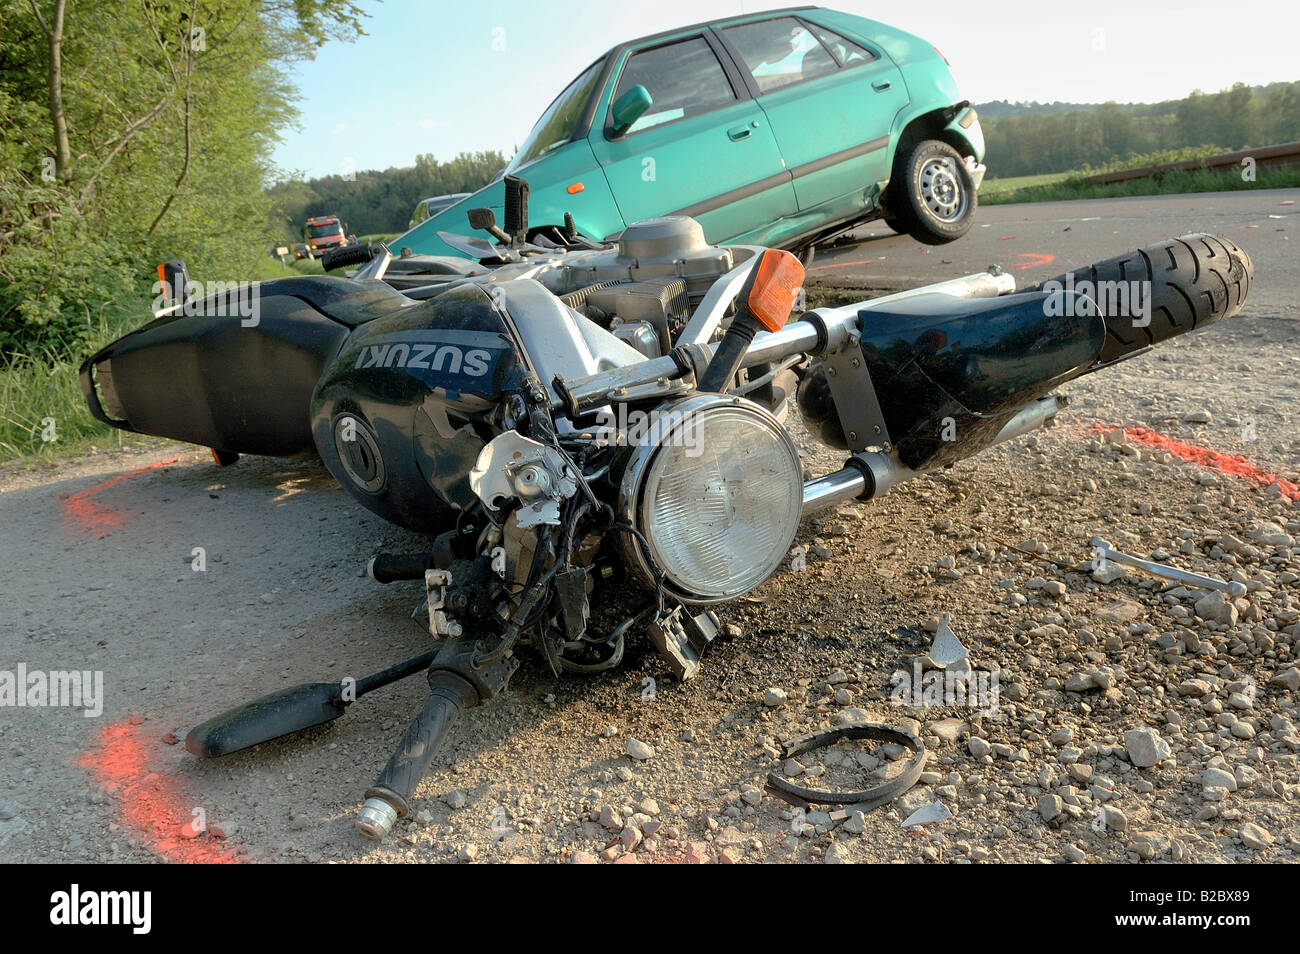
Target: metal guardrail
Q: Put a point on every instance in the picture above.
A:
(1287, 153)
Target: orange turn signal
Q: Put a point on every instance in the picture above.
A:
(776, 287)
(575, 188)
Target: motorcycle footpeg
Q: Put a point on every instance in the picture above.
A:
(682, 638)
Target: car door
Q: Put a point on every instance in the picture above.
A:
(830, 101)
(704, 148)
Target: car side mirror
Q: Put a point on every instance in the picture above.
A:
(630, 107)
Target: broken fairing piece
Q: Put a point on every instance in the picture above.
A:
(516, 467)
(935, 811)
(681, 638)
(1103, 553)
(947, 651)
(800, 797)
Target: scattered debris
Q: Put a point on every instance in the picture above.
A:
(947, 651)
(800, 797)
(934, 812)
(1105, 554)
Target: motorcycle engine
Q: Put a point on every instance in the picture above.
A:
(644, 290)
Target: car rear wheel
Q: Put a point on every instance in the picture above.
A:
(932, 196)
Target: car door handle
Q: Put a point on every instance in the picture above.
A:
(737, 133)
(881, 85)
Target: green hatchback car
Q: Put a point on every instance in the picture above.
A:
(782, 129)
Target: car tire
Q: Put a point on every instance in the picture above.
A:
(937, 200)
(806, 255)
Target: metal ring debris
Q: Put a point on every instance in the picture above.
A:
(801, 797)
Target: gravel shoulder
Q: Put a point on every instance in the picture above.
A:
(1136, 721)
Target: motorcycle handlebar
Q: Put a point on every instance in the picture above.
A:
(387, 800)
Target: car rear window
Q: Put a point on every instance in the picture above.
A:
(780, 52)
(684, 79)
(845, 51)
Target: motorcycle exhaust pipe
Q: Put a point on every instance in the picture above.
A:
(872, 474)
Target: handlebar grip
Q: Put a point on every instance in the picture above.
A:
(449, 695)
(347, 255)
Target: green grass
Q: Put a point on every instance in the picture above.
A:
(40, 394)
(268, 269)
(992, 189)
(39, 388)
(1071, 185)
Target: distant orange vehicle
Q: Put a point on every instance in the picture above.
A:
(323, 233)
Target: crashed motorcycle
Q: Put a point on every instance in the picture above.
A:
(569, 421)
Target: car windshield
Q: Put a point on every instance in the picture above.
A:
(324, 228)
(560, 121)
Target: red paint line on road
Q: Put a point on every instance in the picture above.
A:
(1234, 465)
(82, 513)
(1037, 259)
(153, 805)
(818, 268)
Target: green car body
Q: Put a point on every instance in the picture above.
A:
(762, 160)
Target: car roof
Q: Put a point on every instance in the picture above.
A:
(721, 21)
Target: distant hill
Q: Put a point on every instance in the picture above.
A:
(1036, 138)
(1002, 108)
(374, 201)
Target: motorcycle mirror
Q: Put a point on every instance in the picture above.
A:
(475, 248)
(630, 107)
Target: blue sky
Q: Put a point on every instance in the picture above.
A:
(452, 77)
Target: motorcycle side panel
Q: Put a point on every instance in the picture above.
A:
(226, 378)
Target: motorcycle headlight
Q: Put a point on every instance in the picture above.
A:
(715, 486)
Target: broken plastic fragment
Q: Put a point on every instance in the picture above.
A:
(935, 811)
(947, 651)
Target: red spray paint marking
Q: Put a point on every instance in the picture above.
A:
(818, 268)
(82, 513)
(152, 805)
(1035, 259)
(1236, 465)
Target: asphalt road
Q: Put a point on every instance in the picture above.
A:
(1038, 240)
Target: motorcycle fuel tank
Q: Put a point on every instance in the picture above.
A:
(400, 415)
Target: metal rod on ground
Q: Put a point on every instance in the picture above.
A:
(1105, 552)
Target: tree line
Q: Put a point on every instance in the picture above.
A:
(131, 132)
(377, 202)
(1055, 140)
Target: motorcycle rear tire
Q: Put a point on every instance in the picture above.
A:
(1189, 282)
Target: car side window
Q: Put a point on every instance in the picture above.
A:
(684, 79)
(845, 51)
(780, 52)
